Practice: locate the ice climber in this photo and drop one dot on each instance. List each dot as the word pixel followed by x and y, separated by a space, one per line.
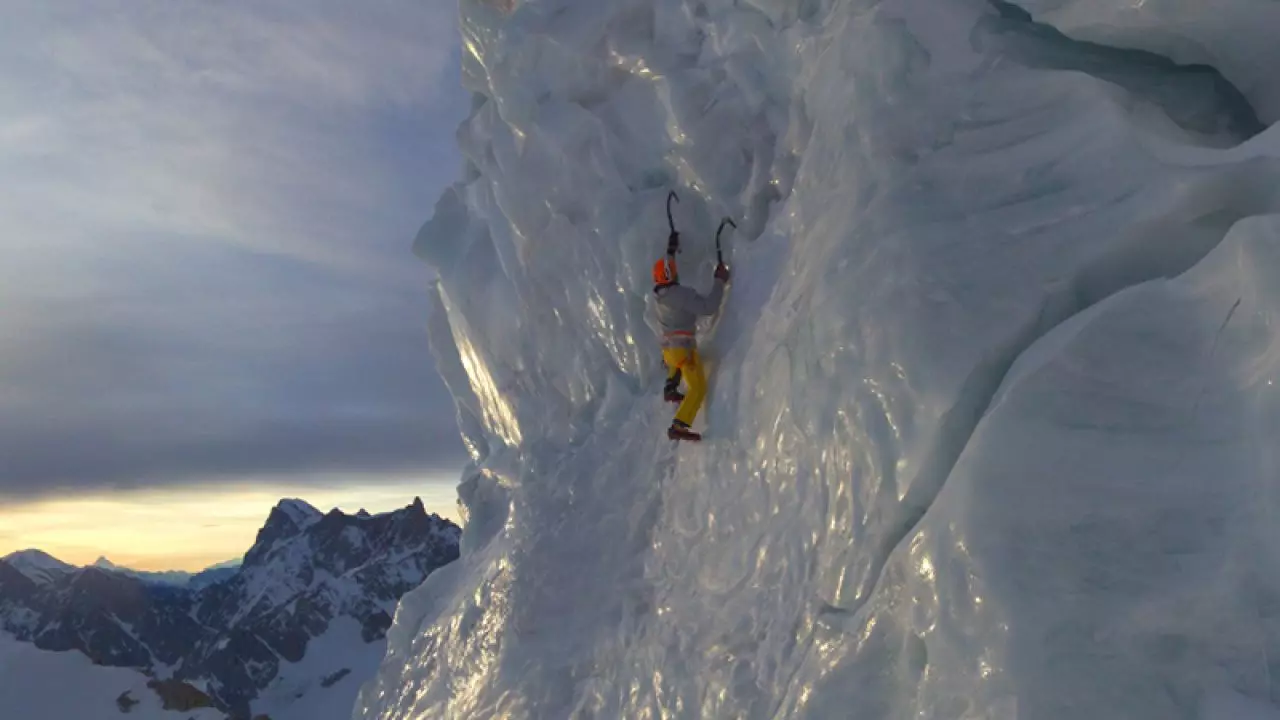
pixel 678 310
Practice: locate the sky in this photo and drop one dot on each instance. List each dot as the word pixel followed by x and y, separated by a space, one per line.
pixel 168 528
pixel 206 282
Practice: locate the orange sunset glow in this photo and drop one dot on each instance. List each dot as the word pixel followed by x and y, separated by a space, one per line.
pixel 191 528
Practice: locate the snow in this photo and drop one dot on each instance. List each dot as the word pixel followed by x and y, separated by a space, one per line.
pixel 993 392
pixel 287 569
pixel 1229 705
pixel 1235 36
pixel 280 576
pixel 353 536
pixel 67 686
pixel 21 620
pixel 215 574
pixel 299 511
pixel 298 692
pixel 38 565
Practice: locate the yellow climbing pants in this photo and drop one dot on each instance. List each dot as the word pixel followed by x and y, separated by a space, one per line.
pixel 686 362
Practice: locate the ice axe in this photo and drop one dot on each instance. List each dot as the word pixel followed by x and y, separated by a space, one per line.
pixel 673 240
pixel 726 221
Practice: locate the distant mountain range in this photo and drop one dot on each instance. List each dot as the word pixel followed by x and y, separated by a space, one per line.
pixel 177 578
pixel 43 567
pixel 229 631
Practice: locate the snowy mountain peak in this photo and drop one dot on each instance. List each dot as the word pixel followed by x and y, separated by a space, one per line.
pixel 299 511
pixel 236 629
pixel 290 556
pixel 288 518
pixel 306 570
pixel 38 565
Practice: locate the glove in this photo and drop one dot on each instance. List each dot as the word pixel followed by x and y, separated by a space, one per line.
pixel 673 243
pixel 722 272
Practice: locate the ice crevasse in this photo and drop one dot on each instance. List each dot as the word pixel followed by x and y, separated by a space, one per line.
pixel 995 390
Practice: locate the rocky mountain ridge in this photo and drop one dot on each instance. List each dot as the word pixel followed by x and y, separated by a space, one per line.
pixel 229 638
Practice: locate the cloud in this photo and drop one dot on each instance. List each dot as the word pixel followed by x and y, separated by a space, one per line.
pixel 245 122
pixel 204 238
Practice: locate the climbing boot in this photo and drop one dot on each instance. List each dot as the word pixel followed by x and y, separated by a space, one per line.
pixel 680 431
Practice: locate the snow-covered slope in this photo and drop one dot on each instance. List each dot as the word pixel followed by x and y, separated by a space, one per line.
pixel 323 685
pixel 308 575
pixel 68 686
pixel 38 565
pixel 214 574
pixel 993 411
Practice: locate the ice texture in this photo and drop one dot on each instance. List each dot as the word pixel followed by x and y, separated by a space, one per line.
pixel 991 422
pixel 1238 37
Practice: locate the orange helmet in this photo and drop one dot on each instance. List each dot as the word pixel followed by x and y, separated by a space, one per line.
pixel 664 271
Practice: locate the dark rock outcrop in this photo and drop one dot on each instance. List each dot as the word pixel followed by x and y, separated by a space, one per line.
pixel 125 702
pixel 180 696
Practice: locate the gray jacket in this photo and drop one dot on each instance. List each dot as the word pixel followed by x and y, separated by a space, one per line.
pixel 678 310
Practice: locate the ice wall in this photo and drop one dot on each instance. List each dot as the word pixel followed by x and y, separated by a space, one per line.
pixel 987 434
pixel 1238 37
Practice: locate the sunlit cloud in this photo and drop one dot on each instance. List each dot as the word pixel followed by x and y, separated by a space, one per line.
pixel 205 239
